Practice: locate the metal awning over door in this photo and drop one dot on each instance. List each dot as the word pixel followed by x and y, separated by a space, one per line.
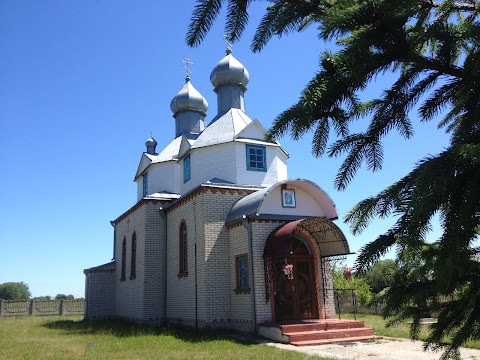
pixel 327 235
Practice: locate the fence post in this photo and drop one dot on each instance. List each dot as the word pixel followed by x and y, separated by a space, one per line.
pixel 1 307
pixel 62 307
pixel 354 303
pixel 32 307
pixel 338 305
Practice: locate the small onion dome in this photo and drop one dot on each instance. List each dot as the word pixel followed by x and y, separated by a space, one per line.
pixel 189 99
pixel 151 144
pixel 229 71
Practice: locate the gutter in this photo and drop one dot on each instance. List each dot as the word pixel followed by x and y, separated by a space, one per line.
pixel 112 222
pixel 248 227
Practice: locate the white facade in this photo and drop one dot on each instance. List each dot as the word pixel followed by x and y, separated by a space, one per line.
pixel 206 250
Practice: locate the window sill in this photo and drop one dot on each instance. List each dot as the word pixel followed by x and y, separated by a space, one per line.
pixel 123 279
pixel 242 291
pixel 132 277
pixel 182 274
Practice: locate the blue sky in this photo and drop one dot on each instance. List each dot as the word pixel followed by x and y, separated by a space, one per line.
pixel 83 84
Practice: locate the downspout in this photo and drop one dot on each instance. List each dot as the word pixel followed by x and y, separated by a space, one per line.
pixel 163 214
pixel 112 222
pixel 248 227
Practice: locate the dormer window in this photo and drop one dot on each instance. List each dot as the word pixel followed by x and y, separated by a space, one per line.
pixel 145 184
pixel 186 169
pixel 256 158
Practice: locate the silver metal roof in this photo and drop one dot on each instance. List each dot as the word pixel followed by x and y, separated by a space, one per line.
pixel 163 195
pixel 170 152
pixel 224 129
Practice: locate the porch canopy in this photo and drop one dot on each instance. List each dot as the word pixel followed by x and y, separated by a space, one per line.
pixel 324 232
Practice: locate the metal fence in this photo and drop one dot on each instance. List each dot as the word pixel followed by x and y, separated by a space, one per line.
pixel 346 302
pixel 41 307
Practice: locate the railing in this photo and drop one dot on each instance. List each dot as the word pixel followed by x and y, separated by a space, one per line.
pixel 41 307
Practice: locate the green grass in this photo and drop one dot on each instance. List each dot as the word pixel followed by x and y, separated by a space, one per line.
pixel 400 331
pixel 72 338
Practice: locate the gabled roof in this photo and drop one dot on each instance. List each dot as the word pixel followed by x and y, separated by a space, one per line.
pixel 224 129
pixel 253 130
pixel 145 162
pixel 170 153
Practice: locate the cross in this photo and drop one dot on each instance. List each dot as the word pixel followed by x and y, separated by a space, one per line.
pixel 187 62
pixel 229 45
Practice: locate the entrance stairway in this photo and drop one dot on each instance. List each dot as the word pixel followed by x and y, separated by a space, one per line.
pixel 317 332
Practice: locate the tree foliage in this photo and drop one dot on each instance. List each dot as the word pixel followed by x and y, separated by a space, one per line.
pixel 356 284
pixel 431 48
pixel 64 297
pixel 381 275
pixel 14 291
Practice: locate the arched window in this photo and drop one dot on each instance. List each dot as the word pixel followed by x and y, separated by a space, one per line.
pixel 183 249
pixel 124 259
pixel 133 259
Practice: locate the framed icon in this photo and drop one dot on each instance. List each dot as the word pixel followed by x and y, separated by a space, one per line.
pixel 288 198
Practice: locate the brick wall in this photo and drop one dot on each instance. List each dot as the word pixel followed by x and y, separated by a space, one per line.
pixel 100 292
pixel 129 293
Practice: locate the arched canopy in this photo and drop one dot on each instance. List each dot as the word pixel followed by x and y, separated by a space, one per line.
pixel 324 232
pixel 265 203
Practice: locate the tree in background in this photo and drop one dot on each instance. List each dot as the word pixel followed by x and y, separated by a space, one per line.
pixel 432 50
pixel 64 297
pixel 381 275
pixel 345 284
pixel 14 291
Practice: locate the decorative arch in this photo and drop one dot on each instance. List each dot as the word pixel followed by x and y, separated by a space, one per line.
pixel 318 239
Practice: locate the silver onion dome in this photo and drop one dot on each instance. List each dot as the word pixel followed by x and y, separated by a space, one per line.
pixel 151 144
pixel 229 71
pixel 189 99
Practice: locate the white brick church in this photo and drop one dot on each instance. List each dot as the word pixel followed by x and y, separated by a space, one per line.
pixel 219 236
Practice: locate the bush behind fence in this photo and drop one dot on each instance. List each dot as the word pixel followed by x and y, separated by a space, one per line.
pixel 41 307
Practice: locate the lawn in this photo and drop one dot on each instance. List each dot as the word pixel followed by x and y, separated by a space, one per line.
pixel 400 331
pixel 55 337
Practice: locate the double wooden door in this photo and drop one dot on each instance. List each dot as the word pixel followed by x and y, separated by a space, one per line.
pixel 295 298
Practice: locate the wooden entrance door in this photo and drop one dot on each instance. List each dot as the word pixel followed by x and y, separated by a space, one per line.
pixel 295 298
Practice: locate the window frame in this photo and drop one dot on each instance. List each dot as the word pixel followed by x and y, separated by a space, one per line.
pixel 183 250
pixel 187 173
pixel 124 260
pixel 133 257
pixel 241 287
pixel 145 184
pixel 250 147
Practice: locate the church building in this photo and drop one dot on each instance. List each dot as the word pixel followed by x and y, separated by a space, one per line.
pixel 220 237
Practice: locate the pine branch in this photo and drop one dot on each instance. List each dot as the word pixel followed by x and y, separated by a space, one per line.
pixel 203 16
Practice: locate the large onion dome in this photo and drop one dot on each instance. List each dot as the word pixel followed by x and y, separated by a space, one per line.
pixel 189 99
pixel 229 71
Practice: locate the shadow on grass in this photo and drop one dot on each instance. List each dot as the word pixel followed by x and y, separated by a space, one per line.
pixel 124 329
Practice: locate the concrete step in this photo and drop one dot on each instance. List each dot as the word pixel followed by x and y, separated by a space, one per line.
pixel 331 325
pixel 328 334
pixel 332 341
